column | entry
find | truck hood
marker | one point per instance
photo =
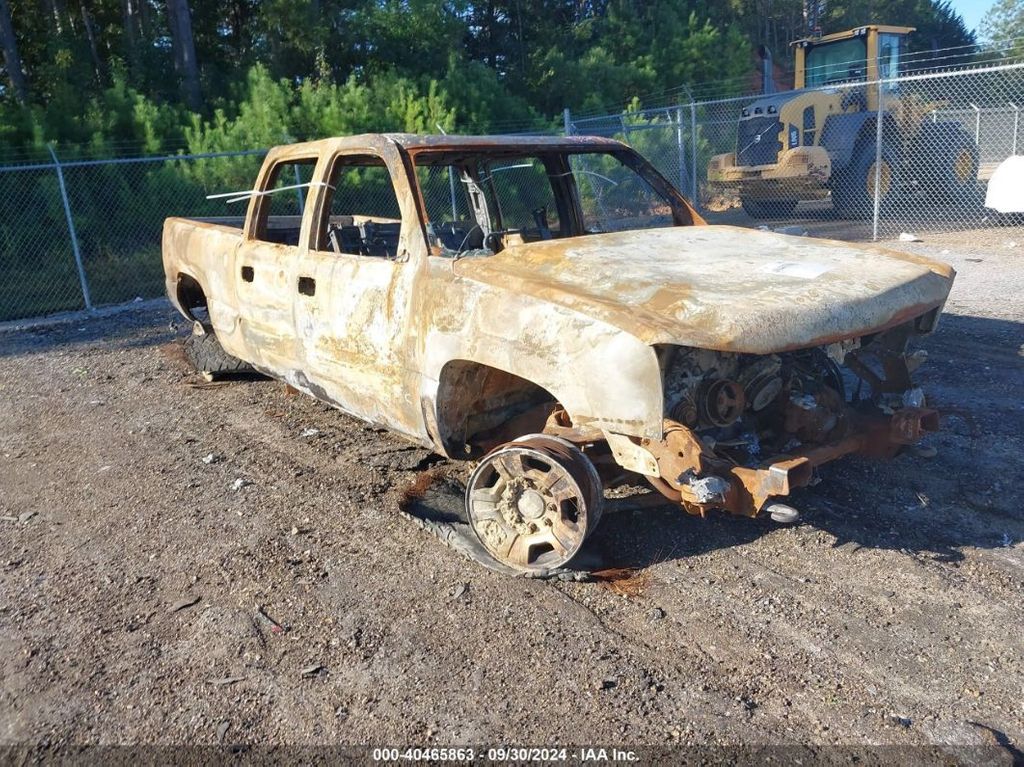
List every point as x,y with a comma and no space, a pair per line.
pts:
721,287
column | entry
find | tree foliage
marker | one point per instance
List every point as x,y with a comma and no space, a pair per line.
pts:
225,74
1003,28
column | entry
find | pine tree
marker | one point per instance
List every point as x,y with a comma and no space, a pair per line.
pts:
12,59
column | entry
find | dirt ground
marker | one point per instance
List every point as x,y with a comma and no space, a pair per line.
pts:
182,563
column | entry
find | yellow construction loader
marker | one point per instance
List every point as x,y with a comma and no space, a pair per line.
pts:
821,138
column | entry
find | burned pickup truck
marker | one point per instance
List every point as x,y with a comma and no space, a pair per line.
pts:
553,310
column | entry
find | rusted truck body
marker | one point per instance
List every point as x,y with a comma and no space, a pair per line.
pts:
553,310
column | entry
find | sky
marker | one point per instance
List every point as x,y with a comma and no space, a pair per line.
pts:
972,10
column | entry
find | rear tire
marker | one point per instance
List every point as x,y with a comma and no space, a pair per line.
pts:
768,208
948,169
206,355
853,195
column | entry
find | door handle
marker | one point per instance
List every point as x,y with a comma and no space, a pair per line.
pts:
307,286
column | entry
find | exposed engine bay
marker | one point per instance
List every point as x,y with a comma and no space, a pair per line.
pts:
743,428
756,404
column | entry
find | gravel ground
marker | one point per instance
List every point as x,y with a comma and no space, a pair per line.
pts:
182,563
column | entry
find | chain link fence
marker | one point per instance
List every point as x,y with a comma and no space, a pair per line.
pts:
75,235
914,155
853,161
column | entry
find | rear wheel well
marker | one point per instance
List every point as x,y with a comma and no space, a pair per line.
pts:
190,295
479,407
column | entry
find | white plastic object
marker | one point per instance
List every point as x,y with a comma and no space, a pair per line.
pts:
1006,187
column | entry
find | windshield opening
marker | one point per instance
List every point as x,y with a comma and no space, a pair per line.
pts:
479,203
842,61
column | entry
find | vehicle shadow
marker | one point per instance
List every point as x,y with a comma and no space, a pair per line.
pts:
876,517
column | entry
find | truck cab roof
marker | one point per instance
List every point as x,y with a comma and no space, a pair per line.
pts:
415,143
855,32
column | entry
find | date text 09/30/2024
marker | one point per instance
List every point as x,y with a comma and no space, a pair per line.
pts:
505,754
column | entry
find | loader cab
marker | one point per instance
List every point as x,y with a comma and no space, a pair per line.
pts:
861,55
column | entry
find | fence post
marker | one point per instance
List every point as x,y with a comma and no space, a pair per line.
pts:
977,123
879,117
1016,125
681,152
71,230
693,153
298,189
567,121
451,178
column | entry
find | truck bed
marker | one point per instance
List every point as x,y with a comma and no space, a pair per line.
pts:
281,229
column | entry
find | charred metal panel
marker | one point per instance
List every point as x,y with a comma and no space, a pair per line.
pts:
720,287
574,331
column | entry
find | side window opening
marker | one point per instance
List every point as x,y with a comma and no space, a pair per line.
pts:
487,203
279,217
841,61
451,223
613,197
363,217
524,198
